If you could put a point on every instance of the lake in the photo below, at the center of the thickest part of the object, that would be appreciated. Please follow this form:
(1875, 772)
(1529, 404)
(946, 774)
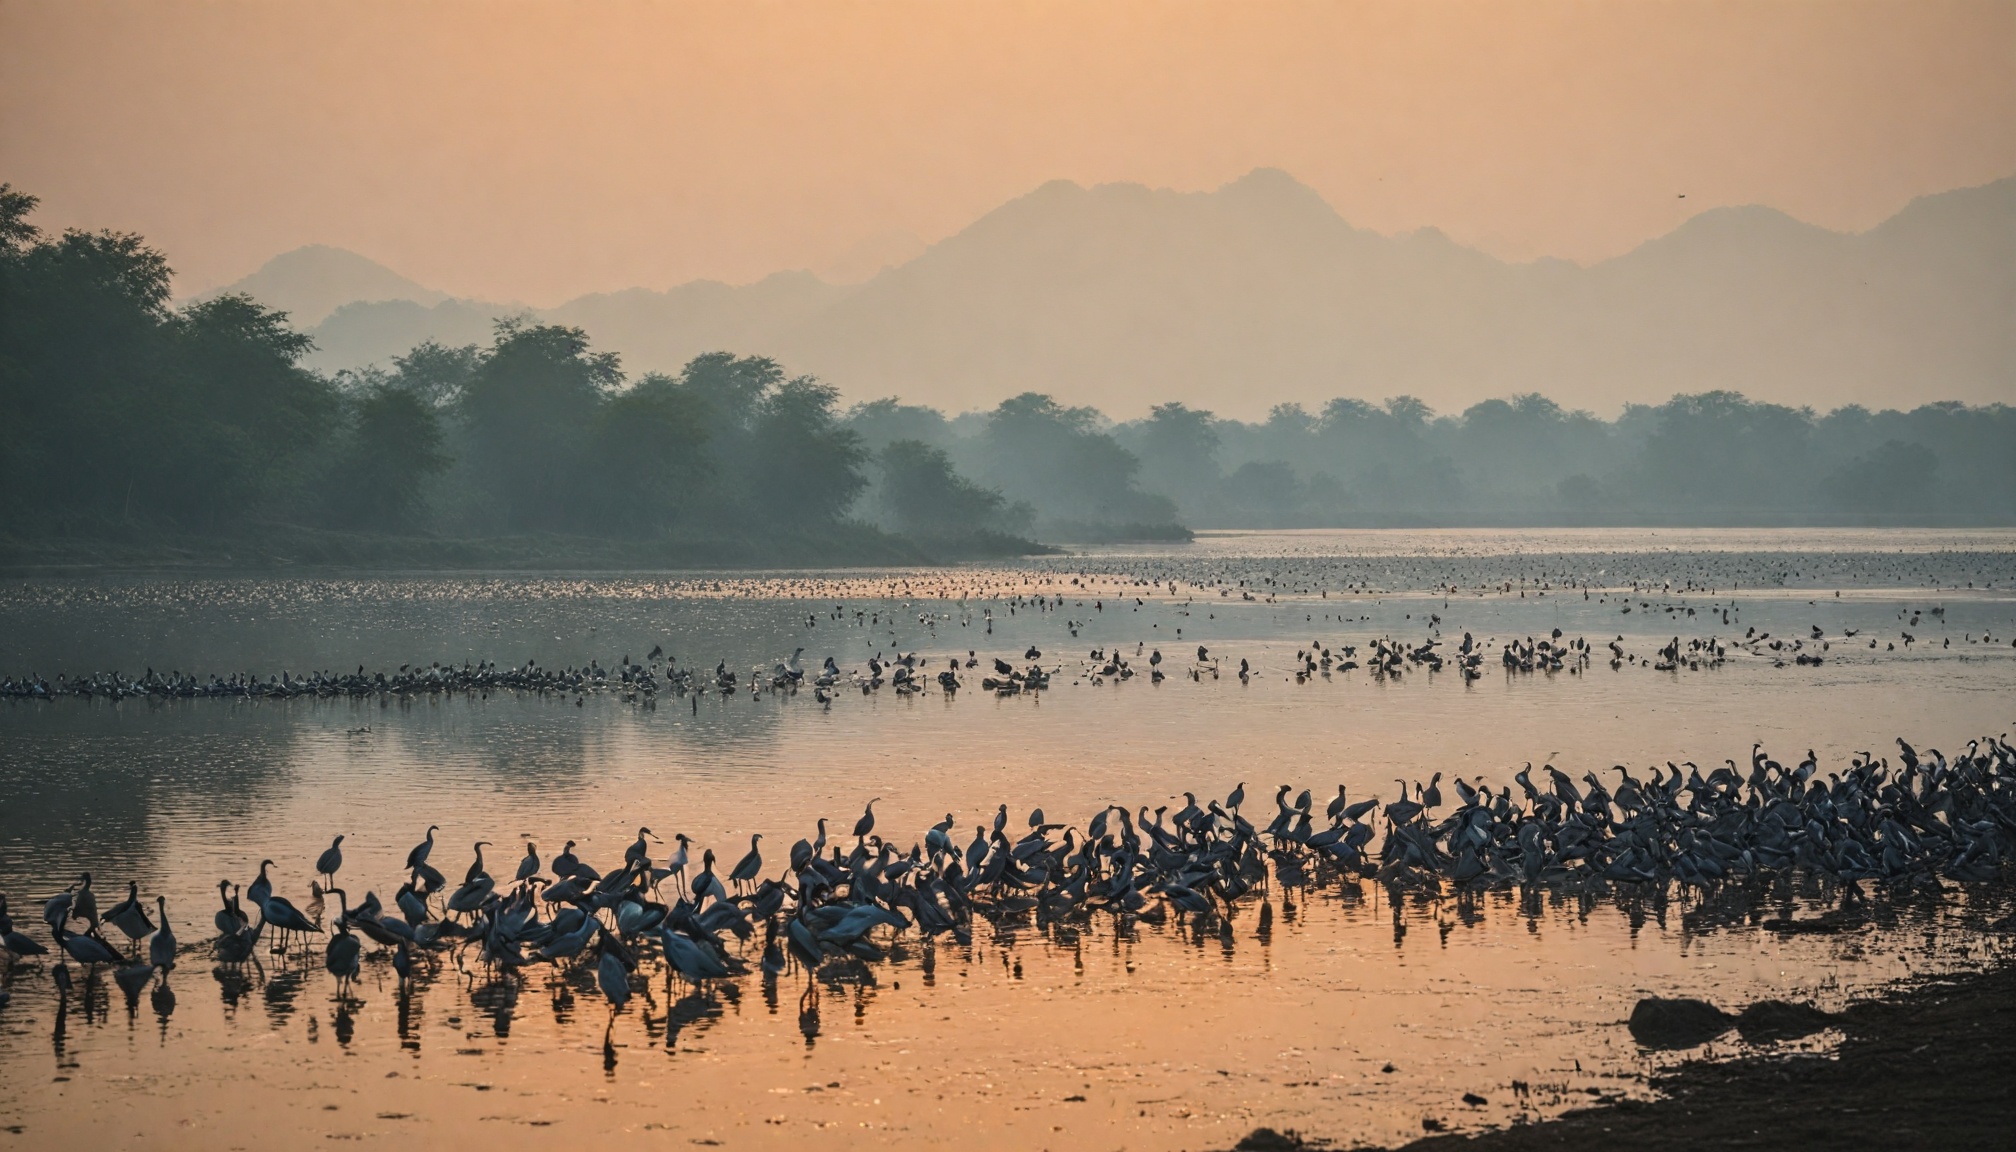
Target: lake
(1350, 1010)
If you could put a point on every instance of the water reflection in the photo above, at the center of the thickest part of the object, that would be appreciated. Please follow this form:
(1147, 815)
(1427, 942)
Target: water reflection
(1303, 992)
(497, 998)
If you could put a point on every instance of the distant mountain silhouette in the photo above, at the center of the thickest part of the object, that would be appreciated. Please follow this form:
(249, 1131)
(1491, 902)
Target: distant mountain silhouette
(1122, 296)
(310, 283)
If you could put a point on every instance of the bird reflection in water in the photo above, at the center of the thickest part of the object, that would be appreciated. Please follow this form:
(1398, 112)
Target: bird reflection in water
(409, 1035)
(232, 986)
(808, 1013)
(282, 988)
(497, 999)
(696, 1010)
(344, 1024)
(162, 1000)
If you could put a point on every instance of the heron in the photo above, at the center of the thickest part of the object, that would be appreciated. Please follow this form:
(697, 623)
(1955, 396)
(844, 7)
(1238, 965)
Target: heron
(342, 953)
(707, 884)
(13, 942)
(287, 919)
(86, 949)
(83, 902)
(261, 887)
(161, 949)
(330, 860)
(130, 915)
(675, 864)
(746, 869)
(418, 856)
(565, 863)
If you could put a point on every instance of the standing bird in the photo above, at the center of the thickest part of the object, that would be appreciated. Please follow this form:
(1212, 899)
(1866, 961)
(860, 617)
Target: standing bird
(83, 903)
(86, 949)
(866, 823)
(566, 862)
(529, 866)
(56, 909)
(278, 911)
(402, 962)
(329, 862)
(613, 974)
(344, 950)
(707, 884)
(161, 949)
(14, 942)
(641, 850)
(422, 850)
(129, 915)
(476, 870)
(261, 888)
(747, 868)
(230, 918)
(675, 864)
(476, 885)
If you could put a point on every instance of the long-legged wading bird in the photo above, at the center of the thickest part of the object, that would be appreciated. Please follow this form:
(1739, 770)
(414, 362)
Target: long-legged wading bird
(328, 863)
(161, 949)
(747, 868)
(343, 952)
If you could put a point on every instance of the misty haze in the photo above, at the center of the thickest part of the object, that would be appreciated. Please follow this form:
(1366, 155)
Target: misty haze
(1135, 574)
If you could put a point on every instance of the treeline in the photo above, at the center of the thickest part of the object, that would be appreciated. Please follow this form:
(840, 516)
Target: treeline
(1715, 458)
(127, 416)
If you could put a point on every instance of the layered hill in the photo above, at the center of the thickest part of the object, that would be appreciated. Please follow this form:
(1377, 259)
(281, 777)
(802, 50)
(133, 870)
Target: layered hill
(1257, 293)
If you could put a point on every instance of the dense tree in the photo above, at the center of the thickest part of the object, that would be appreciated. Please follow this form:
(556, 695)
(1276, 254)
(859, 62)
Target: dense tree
(529, 409)
(924, 496)
(1896, 478)
(1061, 463)
(652, 441)
(123, 414)
(121, 411)
(1719, 449)
(808, 466)
(437, 374)
(1178, 449)
(394, 446)
(882, 422)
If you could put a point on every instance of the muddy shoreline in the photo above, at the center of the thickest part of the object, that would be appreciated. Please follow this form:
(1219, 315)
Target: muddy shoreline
(1932, 1066)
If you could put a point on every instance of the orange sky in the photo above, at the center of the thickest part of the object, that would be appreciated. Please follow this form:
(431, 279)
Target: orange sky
(530, 151)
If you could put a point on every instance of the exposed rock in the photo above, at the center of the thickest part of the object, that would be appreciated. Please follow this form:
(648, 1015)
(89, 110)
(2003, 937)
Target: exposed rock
(1682, 1023)
(1768, 1020)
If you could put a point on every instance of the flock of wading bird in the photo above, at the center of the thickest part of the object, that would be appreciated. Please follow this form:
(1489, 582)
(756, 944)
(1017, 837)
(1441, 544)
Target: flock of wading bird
(908, 673)
(1910, 825)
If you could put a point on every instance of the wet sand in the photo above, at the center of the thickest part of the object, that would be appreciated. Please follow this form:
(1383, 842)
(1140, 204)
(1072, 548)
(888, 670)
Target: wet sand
(1926, 1067)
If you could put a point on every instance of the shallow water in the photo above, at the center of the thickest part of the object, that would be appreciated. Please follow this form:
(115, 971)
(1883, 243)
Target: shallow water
(1173, 1040)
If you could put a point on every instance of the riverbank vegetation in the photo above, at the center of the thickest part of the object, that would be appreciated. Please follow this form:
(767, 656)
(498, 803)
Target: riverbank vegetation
(1712, 458)
(136, 430)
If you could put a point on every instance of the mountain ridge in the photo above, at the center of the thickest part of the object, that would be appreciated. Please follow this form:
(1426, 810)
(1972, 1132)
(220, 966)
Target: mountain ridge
(1121, 295)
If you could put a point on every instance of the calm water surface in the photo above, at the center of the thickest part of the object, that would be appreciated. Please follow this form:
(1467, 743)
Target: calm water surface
(1336, 1011)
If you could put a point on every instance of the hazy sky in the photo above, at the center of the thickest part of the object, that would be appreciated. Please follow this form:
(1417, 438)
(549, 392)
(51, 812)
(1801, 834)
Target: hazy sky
(534, 150)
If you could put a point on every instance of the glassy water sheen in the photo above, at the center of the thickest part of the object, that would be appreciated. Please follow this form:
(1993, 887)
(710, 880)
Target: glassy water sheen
(1334, 1010)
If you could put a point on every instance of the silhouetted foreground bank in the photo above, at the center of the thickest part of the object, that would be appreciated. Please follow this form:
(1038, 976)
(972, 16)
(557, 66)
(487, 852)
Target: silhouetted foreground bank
(1926, 1068)
(288, 546)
